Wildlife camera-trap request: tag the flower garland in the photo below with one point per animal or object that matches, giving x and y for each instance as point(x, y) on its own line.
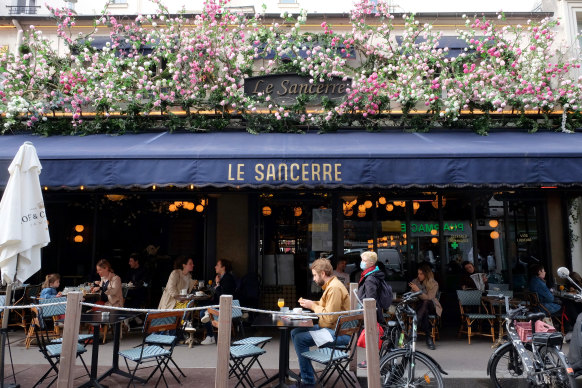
point(157, 64)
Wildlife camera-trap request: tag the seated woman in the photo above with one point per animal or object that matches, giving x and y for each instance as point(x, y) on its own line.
point(50, 285)
point(538, 285)
point(429, 304)
point(180, 278)
point(109, 286)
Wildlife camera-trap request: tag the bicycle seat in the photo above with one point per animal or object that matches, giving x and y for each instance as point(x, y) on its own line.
point(535, 316)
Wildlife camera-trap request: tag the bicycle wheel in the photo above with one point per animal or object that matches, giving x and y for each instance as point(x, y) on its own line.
point(556, 375)
point(506, 369)
point(395, 371)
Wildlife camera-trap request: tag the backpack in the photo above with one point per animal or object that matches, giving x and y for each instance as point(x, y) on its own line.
point(384, 295)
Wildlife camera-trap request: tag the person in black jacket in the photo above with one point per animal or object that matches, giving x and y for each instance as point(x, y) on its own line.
point(370, 285)
point(224, 284)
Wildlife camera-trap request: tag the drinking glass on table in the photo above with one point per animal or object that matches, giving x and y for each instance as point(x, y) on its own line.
point(281, 302)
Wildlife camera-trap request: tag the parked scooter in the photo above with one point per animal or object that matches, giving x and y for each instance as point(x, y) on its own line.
point(575, 353)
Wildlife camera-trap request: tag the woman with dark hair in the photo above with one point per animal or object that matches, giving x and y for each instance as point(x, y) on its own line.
point(428, 304)
point(109, 286)
point(180, 278)
point(537, 284)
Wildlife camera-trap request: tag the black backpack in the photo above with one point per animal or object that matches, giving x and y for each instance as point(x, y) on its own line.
point(384, 295)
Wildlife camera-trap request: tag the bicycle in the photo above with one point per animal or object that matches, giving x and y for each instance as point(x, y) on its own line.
point(401, 365)
point(541, 362)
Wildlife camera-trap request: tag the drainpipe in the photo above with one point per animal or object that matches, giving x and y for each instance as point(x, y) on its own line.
point(19, 34)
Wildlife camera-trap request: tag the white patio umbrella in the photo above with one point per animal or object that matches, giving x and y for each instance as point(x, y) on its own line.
point(23, 222)
point(23, 228)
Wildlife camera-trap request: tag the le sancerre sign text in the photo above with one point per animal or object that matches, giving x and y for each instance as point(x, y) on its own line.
point(285, 88)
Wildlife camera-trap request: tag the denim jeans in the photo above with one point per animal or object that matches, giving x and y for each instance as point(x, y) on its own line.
point(302, 341)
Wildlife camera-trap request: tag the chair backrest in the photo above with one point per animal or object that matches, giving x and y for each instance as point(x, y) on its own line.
point(499, 286)
point(52, 311)
point(349, 324)
point(469, 297)
point(236, 313)
point(162, 321)
point(502, 292)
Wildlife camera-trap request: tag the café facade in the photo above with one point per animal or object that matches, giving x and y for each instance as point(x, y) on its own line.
point(272, 202)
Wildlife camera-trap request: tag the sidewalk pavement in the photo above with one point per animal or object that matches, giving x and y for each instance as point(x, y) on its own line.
point(465, 364)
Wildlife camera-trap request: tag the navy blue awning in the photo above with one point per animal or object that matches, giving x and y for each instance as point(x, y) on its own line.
point(352, 159)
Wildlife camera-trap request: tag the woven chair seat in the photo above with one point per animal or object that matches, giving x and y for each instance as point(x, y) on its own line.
point(80, 338)
point(323, 355)
point(243, 351)
point(252, 341)
point(480, 316)
point(56, 349)
point(152, 351)
point(163, 339)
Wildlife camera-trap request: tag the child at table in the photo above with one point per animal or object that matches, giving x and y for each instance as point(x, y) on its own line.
point(50, 285)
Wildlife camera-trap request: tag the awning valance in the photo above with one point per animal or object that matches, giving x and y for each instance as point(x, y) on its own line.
point(352, 159)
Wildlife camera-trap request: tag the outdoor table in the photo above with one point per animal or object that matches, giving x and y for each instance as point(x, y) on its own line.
point(284, 325)
point(183, 298)
point(96, 319)
point(497, 306)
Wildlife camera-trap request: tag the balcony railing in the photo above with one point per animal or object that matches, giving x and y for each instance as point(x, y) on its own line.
point(22, 9)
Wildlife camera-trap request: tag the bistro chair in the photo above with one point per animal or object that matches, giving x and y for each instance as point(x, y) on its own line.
point(474, 311)
point(154, 324)
point(29, 295)
point(243, 354)
point(336, 357)
point(498, 287)
point(50, 350)
point(535, 305)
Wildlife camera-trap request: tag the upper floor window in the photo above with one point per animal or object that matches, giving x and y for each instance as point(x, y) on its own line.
point(288, 1)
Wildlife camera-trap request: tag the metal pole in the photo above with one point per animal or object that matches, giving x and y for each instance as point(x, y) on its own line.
point(354, 306)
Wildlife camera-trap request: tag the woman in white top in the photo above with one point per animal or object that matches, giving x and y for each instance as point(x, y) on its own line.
point(179, 279)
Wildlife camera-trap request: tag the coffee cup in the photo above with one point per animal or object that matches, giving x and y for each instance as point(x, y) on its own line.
point(200, 293)
point(105, 315)
point(284, 309)
point(297, 310)
point(183, 291)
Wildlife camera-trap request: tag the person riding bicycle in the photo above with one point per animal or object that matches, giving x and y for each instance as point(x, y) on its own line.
point(428, 302)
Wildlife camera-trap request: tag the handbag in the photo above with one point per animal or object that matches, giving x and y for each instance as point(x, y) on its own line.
point(362, 338)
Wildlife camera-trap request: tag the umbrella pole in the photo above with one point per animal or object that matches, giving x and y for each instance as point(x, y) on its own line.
point(4, 333)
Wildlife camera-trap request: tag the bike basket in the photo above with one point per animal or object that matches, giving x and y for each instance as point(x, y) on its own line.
point(523, 330)
point(542, 327)
point(548, 339)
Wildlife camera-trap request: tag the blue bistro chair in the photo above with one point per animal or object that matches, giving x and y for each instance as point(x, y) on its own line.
point(243, 355)
point(473, 311)
point(336, 357)
point(51, 350)
point(154, 324)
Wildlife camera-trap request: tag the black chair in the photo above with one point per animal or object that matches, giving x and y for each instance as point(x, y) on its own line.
point(242, 356)
point(154, 324)
point(336, 358)
point(50, 350)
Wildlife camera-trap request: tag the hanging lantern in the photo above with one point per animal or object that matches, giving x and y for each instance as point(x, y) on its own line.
point(178, 203)
point(389, 207)
point(493, 223)
point(362, 214)
point(416, 205)
point(266, 211)
point(397, 203)
point(382, 201)
point(190, 206)
point(172, 208)
point(434, 240)
point(79, 228)
point(361, 208)
point(78, 238)
point(368, 204)
point(434, 232)
point(494, 235)
point(297, 211)
point(200, 208)
point(349, 212)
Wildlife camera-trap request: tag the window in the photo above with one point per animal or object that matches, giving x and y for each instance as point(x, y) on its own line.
point(288, 1)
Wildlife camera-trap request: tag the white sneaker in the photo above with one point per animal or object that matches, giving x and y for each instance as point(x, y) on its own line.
point(205, 318)
point(208, 341)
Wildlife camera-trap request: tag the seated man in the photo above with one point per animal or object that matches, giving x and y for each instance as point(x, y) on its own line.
point(335, 298)
point(467, 282)
point(137, 278)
